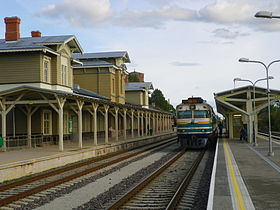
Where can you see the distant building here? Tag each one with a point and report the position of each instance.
(103, 73)
(139, 75)
(39, 101)
(138, 93)
(37, 61)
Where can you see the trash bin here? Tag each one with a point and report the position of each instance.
(1, 141)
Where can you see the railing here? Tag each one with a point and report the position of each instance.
(20, 141)
(276, 135)
(37, 140)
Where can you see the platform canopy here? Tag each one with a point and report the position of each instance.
(237, 106)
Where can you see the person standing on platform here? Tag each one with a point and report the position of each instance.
(243, 133)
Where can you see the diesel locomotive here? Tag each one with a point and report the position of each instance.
(196, 123)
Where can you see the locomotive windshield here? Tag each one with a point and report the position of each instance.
(201, 114)
(184, 114)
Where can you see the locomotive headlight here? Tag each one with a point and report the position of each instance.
(203, 130)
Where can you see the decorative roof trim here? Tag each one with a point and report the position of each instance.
(29, 50)
(76, 41)
(97, 66)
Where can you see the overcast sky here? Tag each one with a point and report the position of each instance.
(184, 47)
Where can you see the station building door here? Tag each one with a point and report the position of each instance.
(237, 125)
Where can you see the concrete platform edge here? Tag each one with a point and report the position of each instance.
(213, 177)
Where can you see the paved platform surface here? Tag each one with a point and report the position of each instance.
(246, 177)
(11, 156)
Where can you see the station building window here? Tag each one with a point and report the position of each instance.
(47, 122)
(46, 69)
(64, 71)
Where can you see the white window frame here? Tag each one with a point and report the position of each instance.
(64, 71)
(49, 113)
(46, 71)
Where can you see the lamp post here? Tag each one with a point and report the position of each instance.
(254, 101)
(265, 14)
(270, 152)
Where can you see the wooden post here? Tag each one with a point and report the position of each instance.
(132, 123)
(4, 131)
(142, 124)
(106, 107)
(138, 123)
(124, 122)
(60, 102)
(116, 123)
(95, 106)
(146, 124)
(29, 129)
(80, 122)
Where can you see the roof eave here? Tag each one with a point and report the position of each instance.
(97, 66)
(79, 47)
(29, 50)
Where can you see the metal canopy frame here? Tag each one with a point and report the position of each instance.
(240, 101)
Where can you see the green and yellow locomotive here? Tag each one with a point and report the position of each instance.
(196, 123)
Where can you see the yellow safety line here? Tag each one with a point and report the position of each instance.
(236, 188)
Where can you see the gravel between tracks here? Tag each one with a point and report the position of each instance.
(201, 198)
(104, 200)
(99, 183)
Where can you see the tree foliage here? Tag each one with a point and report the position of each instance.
(158, 99)
(133, 78)
(274, 116)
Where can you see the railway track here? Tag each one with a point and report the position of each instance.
(164, 188)
(17, 193)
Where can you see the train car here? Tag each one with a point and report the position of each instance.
(196, 123)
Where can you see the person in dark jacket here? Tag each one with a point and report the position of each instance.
(243, 133)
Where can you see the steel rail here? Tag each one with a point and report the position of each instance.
(146, 181)
(12, 198)
(53, 172)
(185, 183)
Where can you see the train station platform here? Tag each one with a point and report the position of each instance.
(244, 176)
(23, 162)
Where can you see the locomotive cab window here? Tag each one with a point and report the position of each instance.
(184, 114)
(201, 114)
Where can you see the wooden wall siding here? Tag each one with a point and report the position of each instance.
(99, 80)
(19, 67)
(86, 121)
(91, 80)
(117, 78)
(100, 122)
(88, 82)
(134, 97)
(36, 122)
(70, 78)
(9, 123)
(21, 122)
(54, 122)
(105, 85)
